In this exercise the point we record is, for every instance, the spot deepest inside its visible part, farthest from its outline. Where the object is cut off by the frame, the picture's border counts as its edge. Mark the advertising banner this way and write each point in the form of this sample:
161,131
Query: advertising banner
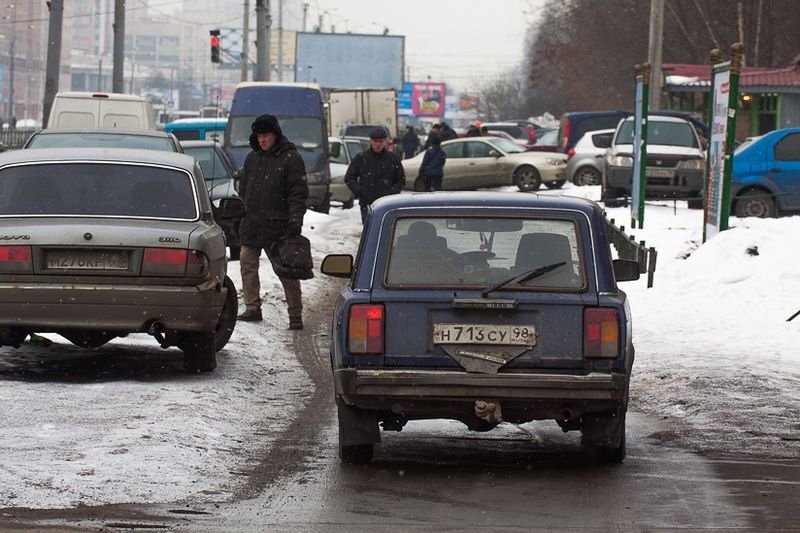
428,99
404,97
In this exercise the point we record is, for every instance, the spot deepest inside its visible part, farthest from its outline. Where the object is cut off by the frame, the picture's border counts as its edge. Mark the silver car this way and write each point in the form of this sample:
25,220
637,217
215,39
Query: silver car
475,162
585,159
96,244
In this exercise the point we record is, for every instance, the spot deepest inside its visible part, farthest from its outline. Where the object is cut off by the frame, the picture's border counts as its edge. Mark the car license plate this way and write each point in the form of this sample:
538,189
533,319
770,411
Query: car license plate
484,334
86,260
660,173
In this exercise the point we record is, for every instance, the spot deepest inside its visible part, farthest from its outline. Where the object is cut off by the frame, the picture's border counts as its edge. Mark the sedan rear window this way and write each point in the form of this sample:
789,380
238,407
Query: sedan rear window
478,252
101,140
97,189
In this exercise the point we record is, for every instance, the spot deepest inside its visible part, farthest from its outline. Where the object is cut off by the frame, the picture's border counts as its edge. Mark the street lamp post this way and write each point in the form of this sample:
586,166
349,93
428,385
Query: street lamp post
12,123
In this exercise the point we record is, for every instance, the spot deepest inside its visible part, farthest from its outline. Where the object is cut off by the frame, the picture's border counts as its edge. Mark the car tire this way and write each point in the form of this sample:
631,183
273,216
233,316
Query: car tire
757,203
227,318
586,176
235,252
554,184
527,178
349,203
199,351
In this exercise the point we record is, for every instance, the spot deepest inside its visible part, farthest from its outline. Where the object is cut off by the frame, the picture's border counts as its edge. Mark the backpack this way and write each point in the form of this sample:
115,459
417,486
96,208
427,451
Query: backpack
291,258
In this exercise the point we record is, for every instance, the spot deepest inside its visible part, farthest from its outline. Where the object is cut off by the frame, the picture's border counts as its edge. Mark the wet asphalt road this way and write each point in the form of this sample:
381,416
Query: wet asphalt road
448,479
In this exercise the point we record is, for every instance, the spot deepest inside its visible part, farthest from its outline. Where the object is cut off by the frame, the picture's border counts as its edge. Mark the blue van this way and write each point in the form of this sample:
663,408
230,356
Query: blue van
197,129
301,113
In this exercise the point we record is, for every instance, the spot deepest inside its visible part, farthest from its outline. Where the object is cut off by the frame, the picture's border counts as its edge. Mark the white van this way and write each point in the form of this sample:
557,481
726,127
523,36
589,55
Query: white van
101,110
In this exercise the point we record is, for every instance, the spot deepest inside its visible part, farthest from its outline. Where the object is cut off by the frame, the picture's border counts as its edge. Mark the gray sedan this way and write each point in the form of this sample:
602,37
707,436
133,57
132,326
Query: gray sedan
99,243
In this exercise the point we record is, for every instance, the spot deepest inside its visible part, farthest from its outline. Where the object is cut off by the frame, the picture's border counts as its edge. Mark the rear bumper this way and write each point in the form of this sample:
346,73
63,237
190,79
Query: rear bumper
52,306
441,393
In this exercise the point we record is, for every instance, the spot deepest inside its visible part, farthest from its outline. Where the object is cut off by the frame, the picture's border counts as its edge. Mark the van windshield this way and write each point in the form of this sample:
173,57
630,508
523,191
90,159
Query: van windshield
661,132
304,132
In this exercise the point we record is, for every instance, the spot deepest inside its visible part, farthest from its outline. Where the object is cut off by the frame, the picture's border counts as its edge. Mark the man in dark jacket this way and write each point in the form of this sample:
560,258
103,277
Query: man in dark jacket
432,167
274,190
410,142
447,132
375,172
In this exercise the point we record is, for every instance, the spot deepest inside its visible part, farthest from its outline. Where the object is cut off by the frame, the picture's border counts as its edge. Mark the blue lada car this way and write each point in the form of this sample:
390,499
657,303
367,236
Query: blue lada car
482,307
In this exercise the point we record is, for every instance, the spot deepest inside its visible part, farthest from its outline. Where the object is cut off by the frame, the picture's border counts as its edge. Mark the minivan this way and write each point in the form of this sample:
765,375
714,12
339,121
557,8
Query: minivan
79,109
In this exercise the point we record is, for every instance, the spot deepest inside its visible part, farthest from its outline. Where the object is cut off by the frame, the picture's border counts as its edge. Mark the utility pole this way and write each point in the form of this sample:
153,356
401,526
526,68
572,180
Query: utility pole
305,16
11,60
654,50
280,40
245,42
56,8
119,46
262,36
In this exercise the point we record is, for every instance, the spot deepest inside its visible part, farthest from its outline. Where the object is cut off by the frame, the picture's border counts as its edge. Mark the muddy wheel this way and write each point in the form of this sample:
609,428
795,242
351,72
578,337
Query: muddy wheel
759,204
586,176
527,178
227,318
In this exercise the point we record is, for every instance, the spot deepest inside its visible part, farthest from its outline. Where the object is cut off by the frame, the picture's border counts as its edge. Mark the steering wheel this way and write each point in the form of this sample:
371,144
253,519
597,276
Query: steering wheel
474,260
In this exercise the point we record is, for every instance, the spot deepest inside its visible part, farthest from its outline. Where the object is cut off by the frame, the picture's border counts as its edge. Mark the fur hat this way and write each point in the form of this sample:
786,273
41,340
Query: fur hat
266,124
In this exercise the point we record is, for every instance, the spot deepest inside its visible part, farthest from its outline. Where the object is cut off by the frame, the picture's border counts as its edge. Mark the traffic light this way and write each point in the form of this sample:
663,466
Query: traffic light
214,46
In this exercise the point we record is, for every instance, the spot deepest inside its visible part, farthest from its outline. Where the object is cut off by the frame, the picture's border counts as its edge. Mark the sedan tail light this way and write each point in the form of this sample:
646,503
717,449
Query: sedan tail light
570,154
173,262
365,329
531,134
16,260
600,333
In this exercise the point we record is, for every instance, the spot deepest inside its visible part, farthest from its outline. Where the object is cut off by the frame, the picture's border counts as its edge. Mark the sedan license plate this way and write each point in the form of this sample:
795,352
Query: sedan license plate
484,334
86,260
660,173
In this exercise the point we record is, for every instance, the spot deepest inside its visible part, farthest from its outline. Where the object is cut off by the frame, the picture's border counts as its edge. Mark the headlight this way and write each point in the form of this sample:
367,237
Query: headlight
621,161
555,162
692,164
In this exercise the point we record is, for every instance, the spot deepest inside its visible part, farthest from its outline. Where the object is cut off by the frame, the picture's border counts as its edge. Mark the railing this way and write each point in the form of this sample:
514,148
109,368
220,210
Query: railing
12,139
628,248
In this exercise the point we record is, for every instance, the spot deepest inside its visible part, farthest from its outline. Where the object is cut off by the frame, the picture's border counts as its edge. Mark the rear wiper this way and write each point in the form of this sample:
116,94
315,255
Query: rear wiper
525,276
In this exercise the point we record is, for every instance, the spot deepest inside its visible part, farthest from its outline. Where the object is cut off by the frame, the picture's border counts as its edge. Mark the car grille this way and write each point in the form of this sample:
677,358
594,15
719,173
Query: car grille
662,161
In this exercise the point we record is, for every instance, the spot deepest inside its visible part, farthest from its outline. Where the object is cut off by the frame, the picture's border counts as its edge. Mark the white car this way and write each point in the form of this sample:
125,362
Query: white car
341,151
585,159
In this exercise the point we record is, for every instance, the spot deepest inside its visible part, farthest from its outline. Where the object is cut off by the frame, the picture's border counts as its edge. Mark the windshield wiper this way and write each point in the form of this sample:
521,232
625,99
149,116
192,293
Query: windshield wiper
525,276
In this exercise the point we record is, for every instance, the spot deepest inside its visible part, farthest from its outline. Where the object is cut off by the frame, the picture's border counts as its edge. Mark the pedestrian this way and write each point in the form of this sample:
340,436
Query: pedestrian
410,142
375,172
473,131
436,129
447,132
432,167
485,132
274,190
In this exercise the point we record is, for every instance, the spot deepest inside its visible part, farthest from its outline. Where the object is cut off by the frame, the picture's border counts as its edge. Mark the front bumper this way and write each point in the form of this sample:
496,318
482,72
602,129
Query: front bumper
124,308
441,393
661,183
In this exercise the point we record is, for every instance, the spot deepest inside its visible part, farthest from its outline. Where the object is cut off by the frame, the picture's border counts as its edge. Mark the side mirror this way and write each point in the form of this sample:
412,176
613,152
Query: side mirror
626,270
231,208
337,265
494,153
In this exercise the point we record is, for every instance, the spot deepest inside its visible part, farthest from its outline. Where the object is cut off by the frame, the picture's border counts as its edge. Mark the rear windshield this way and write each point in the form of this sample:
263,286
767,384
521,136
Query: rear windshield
96,189
98,140
305,132
660,132
478,252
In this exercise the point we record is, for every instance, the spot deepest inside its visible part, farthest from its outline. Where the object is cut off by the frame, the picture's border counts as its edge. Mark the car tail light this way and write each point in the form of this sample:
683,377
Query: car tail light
565,136
600,333
365,329
570,154
16,259
173,262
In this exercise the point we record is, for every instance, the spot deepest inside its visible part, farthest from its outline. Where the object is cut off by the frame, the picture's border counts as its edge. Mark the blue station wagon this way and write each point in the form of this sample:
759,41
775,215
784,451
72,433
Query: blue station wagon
482,307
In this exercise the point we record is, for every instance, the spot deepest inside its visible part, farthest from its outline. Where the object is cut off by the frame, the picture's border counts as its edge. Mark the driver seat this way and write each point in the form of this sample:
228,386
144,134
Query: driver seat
539,249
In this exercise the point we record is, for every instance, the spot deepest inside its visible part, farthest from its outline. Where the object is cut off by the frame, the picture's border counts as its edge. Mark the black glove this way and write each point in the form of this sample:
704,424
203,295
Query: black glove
294,228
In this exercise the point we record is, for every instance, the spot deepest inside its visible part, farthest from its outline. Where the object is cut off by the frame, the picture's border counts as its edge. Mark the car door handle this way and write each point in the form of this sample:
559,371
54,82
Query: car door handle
775,170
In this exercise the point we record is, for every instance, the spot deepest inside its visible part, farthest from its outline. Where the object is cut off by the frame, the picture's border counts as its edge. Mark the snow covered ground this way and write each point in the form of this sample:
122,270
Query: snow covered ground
715,356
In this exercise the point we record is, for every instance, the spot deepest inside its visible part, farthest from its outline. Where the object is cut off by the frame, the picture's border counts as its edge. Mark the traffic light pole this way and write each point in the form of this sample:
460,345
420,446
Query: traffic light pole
262,37
119,46
53,57
245,61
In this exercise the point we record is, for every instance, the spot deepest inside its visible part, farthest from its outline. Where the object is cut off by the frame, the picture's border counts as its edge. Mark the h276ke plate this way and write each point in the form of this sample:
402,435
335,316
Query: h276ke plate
86,260
497,334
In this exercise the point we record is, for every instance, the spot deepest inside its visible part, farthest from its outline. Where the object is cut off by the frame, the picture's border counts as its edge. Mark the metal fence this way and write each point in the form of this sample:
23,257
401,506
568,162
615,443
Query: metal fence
11,139
628,248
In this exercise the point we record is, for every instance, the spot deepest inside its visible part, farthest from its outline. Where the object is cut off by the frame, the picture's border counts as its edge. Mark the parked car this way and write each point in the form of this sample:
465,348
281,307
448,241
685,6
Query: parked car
523,133
546,141
481,307
99,244
115,138
198,129
675,162
342,151
585,159
221,182
474,162
766,175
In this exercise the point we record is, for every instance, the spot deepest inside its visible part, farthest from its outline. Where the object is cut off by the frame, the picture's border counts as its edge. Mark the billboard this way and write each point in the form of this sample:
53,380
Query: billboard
350,61
428,99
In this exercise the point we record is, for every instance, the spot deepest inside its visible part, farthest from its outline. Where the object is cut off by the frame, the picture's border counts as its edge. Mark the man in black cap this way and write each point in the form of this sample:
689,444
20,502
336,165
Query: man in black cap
375,172
274,190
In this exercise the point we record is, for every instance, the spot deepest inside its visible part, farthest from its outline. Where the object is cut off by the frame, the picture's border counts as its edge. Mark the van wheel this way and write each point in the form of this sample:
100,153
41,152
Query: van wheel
527,178
755,204
586,176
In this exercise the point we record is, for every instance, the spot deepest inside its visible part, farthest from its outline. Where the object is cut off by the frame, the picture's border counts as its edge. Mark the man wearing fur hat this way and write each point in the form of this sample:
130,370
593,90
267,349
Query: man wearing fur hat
274,190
